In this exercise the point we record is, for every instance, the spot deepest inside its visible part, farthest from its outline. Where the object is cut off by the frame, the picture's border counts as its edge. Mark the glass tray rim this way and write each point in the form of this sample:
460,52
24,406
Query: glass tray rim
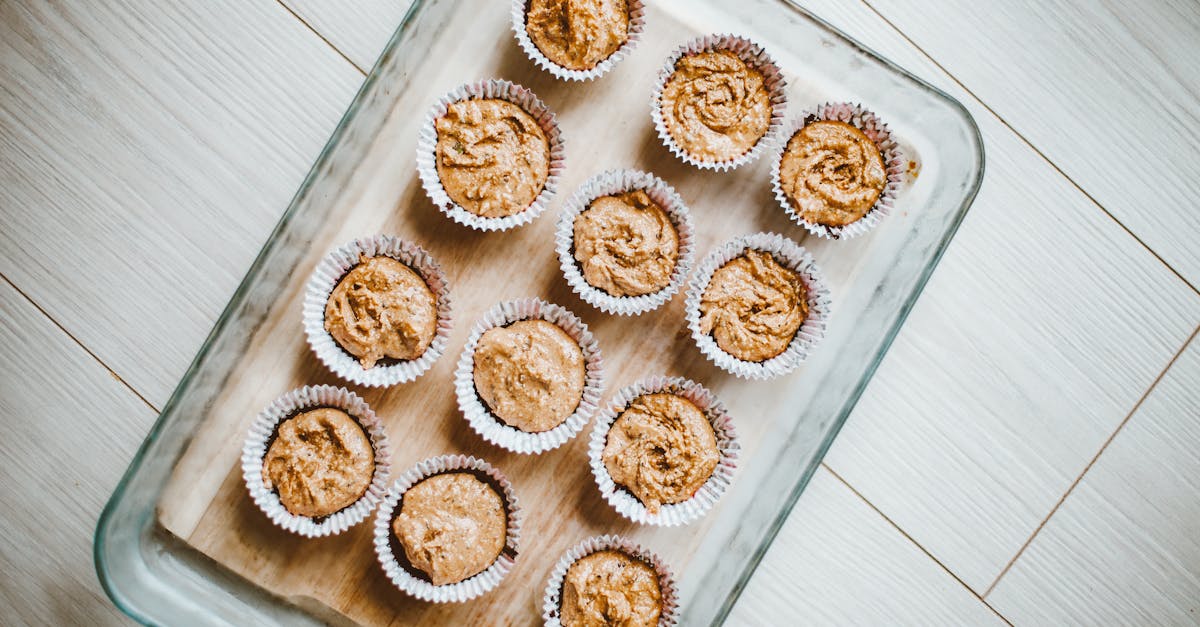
104,524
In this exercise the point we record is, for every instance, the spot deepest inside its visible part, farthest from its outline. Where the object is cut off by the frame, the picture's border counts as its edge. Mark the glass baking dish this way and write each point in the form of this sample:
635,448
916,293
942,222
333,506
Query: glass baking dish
185,475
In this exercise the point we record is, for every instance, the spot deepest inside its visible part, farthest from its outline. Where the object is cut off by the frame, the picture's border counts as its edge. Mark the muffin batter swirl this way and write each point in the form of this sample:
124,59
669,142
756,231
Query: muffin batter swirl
493,158
832,173
715,106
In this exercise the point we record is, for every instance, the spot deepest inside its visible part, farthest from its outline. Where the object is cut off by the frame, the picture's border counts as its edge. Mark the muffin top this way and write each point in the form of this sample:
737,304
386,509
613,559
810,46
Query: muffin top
610,588
626,244
382,309
492,157
753,306
832,173
662,449
530,374
452,526
577,34
320,462
715,106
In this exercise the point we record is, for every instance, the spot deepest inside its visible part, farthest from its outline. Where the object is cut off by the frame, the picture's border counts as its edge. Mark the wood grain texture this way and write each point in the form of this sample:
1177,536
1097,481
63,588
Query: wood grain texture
358,29
1109,91
1041,328
147,149
68,428
207,504
838,562
1124,548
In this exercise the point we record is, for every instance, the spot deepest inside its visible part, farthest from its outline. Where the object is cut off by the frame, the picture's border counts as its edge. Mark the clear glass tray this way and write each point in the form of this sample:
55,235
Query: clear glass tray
186,476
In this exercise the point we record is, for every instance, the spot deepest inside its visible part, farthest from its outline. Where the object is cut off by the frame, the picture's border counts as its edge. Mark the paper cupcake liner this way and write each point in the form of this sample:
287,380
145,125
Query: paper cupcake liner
637,24
325,278
615,182
288,405
490,427
413,582
877,131
552,600
673,514
427,152
754,56
792,256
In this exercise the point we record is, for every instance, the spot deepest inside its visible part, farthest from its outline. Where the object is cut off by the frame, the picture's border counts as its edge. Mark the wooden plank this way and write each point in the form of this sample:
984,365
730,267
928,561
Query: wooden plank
69,430
359,29
1041,328
147,149
838,562
1124,548
206,504
1109,91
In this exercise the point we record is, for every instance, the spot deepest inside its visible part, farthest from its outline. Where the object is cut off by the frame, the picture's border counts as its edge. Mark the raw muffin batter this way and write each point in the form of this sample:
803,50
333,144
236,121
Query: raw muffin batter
320,462
577,34
626,245
610,588
662,449
530,374
832,173
452,526
382,309
492,157
753,306
715,106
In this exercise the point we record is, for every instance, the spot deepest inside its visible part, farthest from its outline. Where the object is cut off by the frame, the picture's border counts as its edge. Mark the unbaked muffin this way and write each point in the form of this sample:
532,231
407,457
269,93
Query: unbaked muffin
382,309
452,526
753,306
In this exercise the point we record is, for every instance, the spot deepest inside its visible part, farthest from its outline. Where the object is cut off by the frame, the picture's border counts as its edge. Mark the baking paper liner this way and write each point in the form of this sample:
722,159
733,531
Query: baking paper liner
877,131
413,583
325,278
754,56
637,23
427,152
494,430
552,601
790,255
616,182
673,514
288,405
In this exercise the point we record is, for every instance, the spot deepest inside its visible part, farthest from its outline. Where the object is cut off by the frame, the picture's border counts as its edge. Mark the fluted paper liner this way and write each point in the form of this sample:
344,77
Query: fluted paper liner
754,56
669,514
487,424
467,589
637,23
325,278
790,255
290,404
616,182
427,152
552,600
875,130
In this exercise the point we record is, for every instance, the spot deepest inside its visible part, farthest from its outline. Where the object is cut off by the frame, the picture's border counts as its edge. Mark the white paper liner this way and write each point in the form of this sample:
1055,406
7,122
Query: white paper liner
468,588
490,427
754,56
427,152
288,405
669,514
637,24
325,278
790,255
616,182
877,131
552,600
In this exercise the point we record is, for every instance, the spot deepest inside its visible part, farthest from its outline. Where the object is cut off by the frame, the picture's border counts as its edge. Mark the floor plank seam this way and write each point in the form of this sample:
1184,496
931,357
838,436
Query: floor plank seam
321,37
1035,149
79,343
1092,462
914,542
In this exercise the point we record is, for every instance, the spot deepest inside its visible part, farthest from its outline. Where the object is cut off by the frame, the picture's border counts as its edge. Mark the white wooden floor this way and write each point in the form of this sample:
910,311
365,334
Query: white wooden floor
1026,453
